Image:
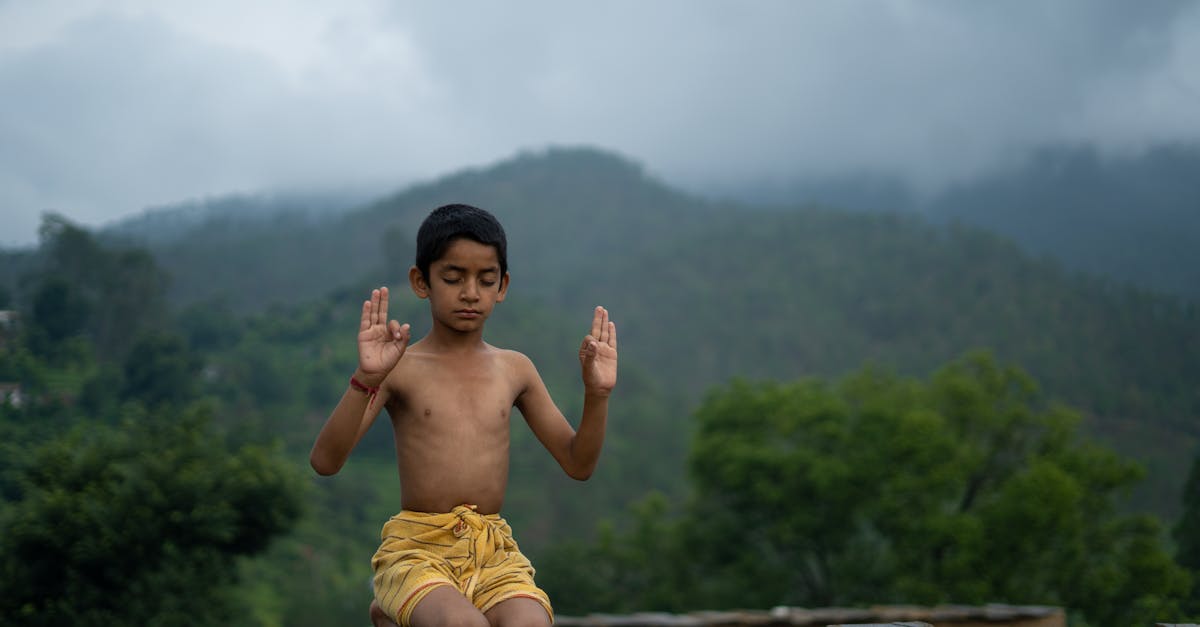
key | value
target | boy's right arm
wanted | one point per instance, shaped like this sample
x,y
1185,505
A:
x,y
381,343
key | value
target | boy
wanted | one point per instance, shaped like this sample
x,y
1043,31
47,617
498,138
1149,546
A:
x,y
448,558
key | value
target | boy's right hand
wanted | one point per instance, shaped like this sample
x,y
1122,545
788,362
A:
x,y
381,342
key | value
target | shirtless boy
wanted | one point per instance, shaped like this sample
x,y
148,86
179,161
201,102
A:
x,y
448,559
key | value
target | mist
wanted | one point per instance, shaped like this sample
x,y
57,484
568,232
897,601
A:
x,y
112,107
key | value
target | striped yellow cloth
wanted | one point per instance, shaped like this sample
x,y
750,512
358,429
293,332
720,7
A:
x,y
473,552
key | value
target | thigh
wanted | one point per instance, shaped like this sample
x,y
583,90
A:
x,y
518,612
445,606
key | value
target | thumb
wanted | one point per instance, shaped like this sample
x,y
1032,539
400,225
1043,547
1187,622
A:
x,y
400,332
587,350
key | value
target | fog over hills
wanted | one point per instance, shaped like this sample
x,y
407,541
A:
x,y
709,290
1134,218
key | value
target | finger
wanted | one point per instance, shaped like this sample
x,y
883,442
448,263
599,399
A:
x,y
365,323
612,334
383,305
603,336
596,322
374,307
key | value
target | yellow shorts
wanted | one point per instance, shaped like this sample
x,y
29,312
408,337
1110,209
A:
x,y
473,552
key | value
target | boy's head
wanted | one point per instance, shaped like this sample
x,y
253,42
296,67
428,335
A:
x,y
450,222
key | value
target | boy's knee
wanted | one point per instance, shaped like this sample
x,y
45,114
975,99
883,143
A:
x,y
448,617
519,612
462,617
531,619
446,607
379,618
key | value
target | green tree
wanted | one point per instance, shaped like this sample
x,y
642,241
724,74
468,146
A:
x,y
137,525
1187,532
160,369
119,291
60,311
966,488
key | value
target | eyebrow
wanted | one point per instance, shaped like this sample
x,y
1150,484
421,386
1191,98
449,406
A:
x,y
454,268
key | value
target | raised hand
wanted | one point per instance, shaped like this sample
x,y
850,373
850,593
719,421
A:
x,y
381,342
598,355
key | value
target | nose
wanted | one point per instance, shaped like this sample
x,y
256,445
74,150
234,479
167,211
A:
x,y
470,291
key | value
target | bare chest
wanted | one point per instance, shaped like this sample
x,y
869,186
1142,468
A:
x,y
448,397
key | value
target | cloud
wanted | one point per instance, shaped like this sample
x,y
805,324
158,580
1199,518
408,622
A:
x,y
110,107
126,111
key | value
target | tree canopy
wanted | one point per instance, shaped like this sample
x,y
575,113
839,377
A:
x,y
964,488
122,500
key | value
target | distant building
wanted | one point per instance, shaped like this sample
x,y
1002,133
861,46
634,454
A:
x,y
8,319
8,325
11,393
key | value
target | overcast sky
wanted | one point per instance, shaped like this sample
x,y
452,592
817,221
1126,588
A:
x,y
107,107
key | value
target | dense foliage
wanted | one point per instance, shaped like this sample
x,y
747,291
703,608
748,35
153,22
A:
x,y
772,293
966,488
137,523
124,502
1187,533
253,344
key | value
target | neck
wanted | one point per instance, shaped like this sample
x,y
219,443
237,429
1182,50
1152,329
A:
x,y
447,339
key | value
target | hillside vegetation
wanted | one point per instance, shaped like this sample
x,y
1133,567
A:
x,y
706,291
1133,216
254,320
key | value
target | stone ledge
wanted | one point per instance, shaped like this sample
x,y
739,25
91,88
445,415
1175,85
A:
x,y
992,615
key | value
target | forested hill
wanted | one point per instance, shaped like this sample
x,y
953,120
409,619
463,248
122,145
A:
x,y
564,209
1133,217
704,292
778,296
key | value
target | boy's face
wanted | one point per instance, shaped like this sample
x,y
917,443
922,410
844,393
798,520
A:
x,y
463,286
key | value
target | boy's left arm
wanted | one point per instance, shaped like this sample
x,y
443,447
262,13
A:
x,y
577,451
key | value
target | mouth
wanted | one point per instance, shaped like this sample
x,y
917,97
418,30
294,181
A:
x,y
467,313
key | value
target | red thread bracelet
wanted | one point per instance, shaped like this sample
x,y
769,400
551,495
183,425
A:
x,y
362,387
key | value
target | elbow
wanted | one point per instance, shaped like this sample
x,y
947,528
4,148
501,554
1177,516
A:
x,y
581,474
324,467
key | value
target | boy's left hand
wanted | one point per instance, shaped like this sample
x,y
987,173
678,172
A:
x,y
598,355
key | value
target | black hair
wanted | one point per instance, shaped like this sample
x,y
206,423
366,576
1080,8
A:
x,y
450,222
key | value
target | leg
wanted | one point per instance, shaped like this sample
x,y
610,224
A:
x,y
518,612
445,606
379,618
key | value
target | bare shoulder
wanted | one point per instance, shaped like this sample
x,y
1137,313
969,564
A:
x,y
513,358
518,365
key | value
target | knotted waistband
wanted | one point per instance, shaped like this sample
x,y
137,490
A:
x,y
487,539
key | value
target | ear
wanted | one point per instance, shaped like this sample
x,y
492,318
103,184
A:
x,y
503,288
416,280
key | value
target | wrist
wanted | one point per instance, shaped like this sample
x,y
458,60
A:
x,y
367,390
596,394
369,381
365,384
